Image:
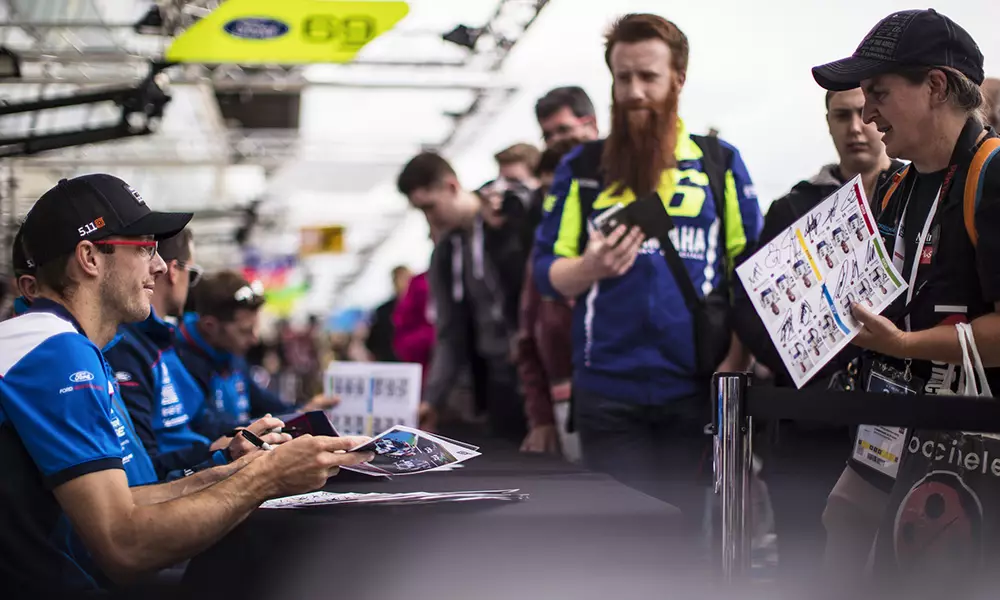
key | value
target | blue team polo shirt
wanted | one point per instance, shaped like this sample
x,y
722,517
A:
x,y
61,417
149,373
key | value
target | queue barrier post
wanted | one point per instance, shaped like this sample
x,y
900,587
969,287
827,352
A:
x,y
735,406
733,463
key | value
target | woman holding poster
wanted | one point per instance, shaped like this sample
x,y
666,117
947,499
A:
x,y
921,75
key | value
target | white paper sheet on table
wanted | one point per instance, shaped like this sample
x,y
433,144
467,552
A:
x,y
329,498
803,282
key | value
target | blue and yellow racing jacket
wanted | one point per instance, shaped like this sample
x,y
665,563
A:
x,y
633,335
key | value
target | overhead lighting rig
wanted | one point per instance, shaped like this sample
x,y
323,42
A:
x,y
138,110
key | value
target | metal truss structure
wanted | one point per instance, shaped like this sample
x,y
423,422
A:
x,y
268,148
70,47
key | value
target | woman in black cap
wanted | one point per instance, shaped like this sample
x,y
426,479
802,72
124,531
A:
x,y
921,75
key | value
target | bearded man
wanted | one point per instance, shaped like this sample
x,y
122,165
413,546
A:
x,y
640,392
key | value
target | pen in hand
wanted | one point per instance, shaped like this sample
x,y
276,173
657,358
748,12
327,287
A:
x,y
256,441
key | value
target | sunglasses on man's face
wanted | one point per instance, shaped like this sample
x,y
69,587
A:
x,y
194,272
250,293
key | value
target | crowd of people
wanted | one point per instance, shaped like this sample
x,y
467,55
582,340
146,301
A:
x,y
126,378
581,337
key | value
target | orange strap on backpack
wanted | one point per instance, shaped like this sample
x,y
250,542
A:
x,y
973,185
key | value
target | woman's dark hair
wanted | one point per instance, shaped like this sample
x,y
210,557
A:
x,y
963,93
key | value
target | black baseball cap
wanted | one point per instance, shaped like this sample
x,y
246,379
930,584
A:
x,y
91,208
905,39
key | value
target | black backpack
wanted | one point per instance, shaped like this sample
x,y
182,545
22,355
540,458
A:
x,y
712,331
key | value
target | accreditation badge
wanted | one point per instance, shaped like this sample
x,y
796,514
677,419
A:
x,y
876,446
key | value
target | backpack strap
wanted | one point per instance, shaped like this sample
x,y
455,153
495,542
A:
x,y
715,162
587,165
974,185
897,178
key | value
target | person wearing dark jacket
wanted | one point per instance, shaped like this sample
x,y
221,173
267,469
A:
x,y
475,320
806,458
544,340
381,332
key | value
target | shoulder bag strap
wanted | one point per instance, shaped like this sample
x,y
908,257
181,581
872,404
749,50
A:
x,y
715,162
974,184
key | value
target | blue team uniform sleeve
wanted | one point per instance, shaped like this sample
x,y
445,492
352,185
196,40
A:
x,y
214,424
138,385
263,401
558,234
58,401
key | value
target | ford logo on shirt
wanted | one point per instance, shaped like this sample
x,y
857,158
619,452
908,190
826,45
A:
x,y
81,376
255,28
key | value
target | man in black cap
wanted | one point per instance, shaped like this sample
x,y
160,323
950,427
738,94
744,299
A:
x,y
921,75
68,449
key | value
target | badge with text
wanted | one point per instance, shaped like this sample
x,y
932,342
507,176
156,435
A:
x,y
930,246
881,447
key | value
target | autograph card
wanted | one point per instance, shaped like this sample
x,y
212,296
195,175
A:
x,y
805,280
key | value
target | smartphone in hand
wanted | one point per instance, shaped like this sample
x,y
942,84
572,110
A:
x,y
646,213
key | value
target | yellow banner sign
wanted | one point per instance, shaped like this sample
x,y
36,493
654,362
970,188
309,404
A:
x,y
328,239
285,31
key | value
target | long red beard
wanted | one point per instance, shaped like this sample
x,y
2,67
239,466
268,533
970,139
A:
x,y
641,144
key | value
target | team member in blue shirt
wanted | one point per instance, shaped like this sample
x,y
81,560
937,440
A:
x,y
71,523
151,377
212,347
145,349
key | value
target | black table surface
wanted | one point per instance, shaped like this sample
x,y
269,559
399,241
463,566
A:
x,y
580,535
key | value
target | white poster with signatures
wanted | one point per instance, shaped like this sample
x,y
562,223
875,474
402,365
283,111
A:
x,y
374,396
805,280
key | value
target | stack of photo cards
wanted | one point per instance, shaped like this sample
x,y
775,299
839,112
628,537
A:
x,y
399,450
329,498
406,451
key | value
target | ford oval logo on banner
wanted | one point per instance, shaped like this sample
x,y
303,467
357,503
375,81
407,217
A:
x,y
256,28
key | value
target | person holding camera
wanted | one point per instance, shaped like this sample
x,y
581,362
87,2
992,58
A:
x,y
472,265
940,218
649,323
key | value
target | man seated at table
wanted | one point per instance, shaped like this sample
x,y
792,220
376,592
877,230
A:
x,y
70,522
212,347
155,386
149,387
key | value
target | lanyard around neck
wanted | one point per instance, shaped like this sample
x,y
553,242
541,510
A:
x,y
899,246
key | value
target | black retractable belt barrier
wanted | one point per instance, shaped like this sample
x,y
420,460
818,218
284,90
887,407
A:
x,y
736,403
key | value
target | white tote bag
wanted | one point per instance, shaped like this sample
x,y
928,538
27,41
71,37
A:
x,y
973,380
972,376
